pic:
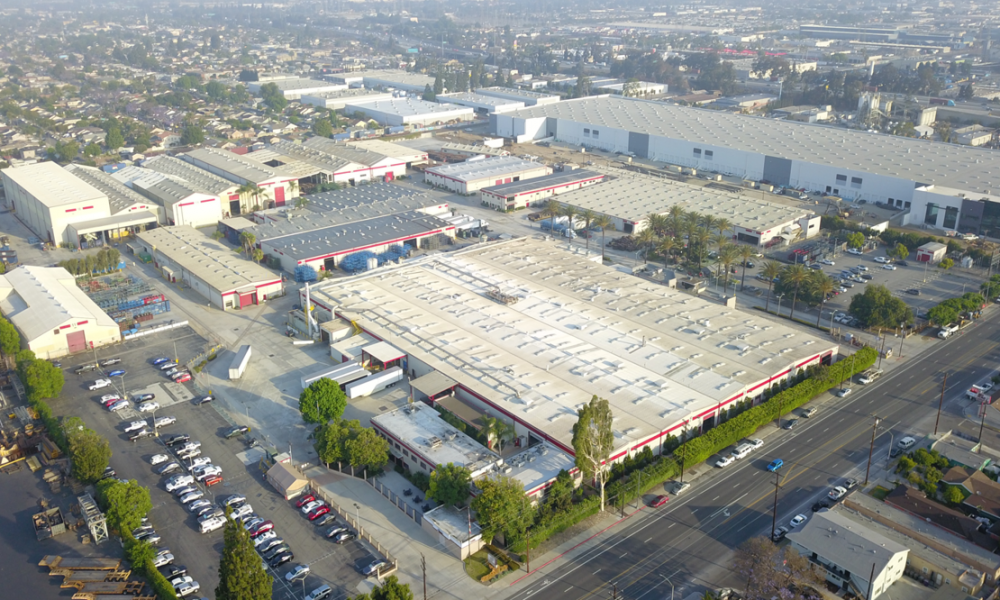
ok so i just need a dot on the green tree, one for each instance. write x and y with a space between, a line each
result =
64 151
794 275
502 508
943 314
900 252
89 453
91 150
367 449
42 379
124 504
216 90
877 307
429 94
192 134
10 340
389 589
855 240
241 574
114 140
770 270
593 441
331 439
946 263
273 98
322 401
953 495
323 128
991 288
450 484
559 498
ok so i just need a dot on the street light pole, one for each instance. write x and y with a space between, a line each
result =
871 448
779 297
671 586
774 512
902 338
941 403
982 408
882 351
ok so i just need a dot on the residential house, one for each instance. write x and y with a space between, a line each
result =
983 493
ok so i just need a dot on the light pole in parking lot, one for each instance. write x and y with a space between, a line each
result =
357 515
779 297
902 338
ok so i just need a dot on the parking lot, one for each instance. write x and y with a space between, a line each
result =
242 472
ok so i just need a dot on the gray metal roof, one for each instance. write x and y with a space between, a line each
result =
245 168
506 91
359 234
516 188
200 179
212 262
391 77
633 197
409 107
960 167
488 167
298 83
119 195
467 98
847 544
51 184
322 145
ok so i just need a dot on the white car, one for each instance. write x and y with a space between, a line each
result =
837 493
148 406
298 572
163 559
109 397
178 581
164 421
260 539
797 520
199 462
117 406
158 458
725 461
889 267
827 261
308 507
188 446
99 384
191 497
135 426
242 511
757 444
179 481
843 392
210 471
188 589
199 504
854 251
189 454
881 259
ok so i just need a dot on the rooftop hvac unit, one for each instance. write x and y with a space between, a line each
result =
508 468
435 442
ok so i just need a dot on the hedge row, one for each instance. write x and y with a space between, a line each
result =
735 429
650 476
138 554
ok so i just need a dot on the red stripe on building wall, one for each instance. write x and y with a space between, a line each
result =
65 326
209 200
83 322
87 208
70 210
185 204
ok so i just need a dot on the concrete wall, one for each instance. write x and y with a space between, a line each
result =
197 210
55 345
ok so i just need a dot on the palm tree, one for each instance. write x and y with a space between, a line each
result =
727 256
824 285
794 275
645 239
605 223
247 189
499 431
745 253
770 270
666 247
657 222
701 237
707 221
675 220
587 216
552 210
570 213
248 240
723 225
690 220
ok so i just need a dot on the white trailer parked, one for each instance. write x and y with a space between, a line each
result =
375 382
239 364
329 373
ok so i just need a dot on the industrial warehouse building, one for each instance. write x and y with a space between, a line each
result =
473 175
518 95
336 224
59 206
369 162
182 202
228 280
339 99
201 181
272 182
388 80
631 198
503 325
52 314
481 103
295 88
410 111
944 186
533 192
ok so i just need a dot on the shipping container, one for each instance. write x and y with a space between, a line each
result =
239 364
375 382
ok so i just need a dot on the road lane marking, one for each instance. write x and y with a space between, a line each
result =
649 538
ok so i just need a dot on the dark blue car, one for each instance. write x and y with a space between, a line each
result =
116 373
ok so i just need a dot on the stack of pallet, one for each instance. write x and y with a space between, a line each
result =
95 578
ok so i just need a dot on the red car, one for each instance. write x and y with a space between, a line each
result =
318 512
659 501
214 479
262 528
186 377
305 500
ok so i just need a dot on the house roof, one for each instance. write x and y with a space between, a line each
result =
38 300
916 503
846 544
985 492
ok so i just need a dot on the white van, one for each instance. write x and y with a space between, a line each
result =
320 593
742 451
869 376
212 525
906 443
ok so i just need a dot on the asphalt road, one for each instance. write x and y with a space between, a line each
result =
687 544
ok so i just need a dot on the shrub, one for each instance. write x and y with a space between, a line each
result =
561 521
914 478
953 494
905 465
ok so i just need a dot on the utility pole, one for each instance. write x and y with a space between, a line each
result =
941 403
871 448
527 552
882 351
423 566
982 407
774 513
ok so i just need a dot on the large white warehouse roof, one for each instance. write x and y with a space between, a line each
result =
960 167
52 185
38 300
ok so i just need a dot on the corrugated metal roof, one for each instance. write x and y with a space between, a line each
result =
488 167
239 167
200 179
119 195
37 300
